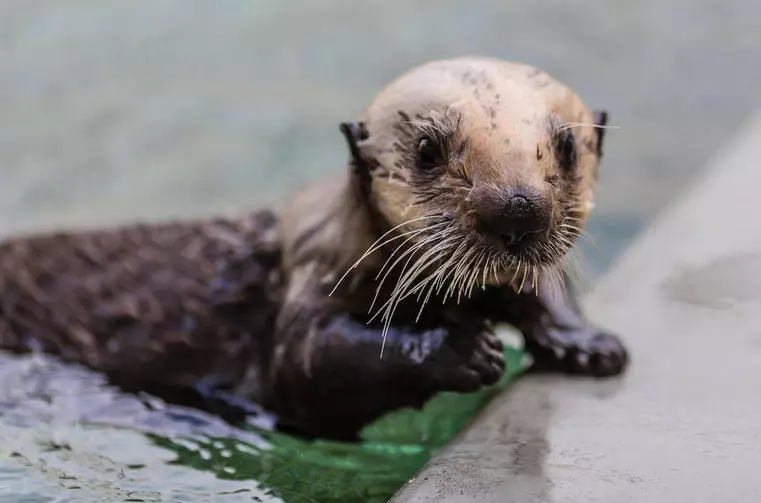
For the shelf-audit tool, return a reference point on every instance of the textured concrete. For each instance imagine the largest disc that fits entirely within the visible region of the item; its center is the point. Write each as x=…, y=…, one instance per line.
x=684, y=424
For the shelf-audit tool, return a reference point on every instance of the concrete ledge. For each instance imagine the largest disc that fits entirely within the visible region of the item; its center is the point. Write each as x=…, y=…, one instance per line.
x=685, y=423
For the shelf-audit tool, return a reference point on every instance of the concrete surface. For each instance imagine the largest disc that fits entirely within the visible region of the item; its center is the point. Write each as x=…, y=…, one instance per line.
x=684, y=424
x=112, y=110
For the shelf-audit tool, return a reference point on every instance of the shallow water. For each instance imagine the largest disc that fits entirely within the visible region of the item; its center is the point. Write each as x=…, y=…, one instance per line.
x=68, y=436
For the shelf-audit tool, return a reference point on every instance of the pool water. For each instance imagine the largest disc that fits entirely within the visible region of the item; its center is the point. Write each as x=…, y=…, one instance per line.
x=67, y=436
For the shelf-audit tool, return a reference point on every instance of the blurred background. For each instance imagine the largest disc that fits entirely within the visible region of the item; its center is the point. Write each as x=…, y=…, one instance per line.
x=112, y=111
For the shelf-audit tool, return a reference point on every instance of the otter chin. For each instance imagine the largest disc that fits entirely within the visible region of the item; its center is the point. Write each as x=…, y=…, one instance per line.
x=468, y=182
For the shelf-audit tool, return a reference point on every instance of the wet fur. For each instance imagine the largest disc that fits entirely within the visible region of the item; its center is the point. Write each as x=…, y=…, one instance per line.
x=152, y=305
x=278, y=308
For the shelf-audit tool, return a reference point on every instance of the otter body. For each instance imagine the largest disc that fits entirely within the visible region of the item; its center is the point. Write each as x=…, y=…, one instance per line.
x=375, y=289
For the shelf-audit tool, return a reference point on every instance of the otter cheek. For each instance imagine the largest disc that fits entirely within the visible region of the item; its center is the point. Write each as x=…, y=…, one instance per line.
x=396, y=204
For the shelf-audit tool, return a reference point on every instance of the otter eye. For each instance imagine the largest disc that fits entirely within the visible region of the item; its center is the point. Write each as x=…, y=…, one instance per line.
x=566, y=149
x=429, y=154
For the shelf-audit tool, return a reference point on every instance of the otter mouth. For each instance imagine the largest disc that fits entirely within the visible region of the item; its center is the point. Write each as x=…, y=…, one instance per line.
x=541, y=247
x=446, y=256
x=434, y=256
x=518, y=244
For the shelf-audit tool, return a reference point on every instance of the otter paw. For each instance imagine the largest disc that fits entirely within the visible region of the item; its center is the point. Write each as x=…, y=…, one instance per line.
x=599, y=355
x=581, y=352
x=472, y=362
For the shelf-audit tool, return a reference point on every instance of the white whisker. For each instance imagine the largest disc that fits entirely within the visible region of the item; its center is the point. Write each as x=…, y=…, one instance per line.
x=570, y=125
x=373, y=248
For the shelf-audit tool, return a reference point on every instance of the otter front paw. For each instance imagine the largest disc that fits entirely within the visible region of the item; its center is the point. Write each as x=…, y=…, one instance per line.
x=582, y=351
x=599, y=355
x=467, y=361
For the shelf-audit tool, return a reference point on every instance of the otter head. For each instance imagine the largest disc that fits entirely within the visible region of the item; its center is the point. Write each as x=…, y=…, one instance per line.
x=486, y=167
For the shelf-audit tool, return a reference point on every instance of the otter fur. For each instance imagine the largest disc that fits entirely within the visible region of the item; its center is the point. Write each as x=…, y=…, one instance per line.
x=375, y=288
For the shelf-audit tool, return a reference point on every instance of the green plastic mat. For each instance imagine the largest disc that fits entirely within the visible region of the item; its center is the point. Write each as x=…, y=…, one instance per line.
x=392, y=450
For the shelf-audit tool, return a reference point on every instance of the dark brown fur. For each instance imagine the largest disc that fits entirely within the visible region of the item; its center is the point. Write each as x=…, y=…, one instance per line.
x=166, y=304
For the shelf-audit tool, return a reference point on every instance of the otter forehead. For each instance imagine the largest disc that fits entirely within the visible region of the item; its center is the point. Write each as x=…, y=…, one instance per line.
x=505, y=112
x=478, y=87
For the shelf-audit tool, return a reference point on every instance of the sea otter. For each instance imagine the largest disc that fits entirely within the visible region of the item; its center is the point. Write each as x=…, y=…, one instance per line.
x=468, y=182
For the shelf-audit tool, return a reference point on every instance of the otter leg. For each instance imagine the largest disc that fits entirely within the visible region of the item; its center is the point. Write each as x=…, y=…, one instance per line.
x=329, y=379
x=559, y=337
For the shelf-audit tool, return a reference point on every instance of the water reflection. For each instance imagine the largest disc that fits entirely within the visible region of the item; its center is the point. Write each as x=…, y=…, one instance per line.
x=69, y=436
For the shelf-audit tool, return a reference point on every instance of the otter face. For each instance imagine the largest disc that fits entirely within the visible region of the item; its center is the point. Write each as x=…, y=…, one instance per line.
x=487, y=166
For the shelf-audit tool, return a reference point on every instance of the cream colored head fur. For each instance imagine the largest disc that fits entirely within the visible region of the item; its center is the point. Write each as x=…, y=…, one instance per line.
x=503, y=110
x=498, y=124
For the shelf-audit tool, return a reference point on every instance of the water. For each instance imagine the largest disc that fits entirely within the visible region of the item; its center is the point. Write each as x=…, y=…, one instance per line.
x=68, y=436
x=112, y=111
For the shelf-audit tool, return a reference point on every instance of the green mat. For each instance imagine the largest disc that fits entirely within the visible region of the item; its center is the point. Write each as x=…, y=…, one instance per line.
x=392, y=450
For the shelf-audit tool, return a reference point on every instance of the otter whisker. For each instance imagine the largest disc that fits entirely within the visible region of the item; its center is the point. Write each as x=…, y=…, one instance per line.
x=479, y=273
x=438, y=275
x=478, y=262
x=565, y=240
x=449, y=277
x=555, y=283
x=431, y=280
x=473, y=278
x=455, y=284
x=582, y=232
x=572, y=227
x=570, y=125
x=409, y=252
x=402, y=285
x=445, y=270
x=407, y=276
x=486, y=269
x=436, y=248
x=460, y=275
x=410, y=238
x=420, y=287
x=449, y=268
x=469, y=270
x=465, y=280
x=399, y=247
x=373, y=248
x=496, y=264
x=523, y=281
x=435, y=277
x=427, y=125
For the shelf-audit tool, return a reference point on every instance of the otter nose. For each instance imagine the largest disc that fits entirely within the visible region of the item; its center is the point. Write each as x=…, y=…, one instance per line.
x=518, y=219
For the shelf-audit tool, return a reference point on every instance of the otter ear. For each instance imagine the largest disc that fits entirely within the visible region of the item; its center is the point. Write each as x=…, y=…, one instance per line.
x=600, y=119
x=354, y=132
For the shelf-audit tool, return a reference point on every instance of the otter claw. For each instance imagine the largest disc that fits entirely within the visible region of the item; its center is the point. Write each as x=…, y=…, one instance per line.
x=602, y=355
x=480, y=363
x=595, y=354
